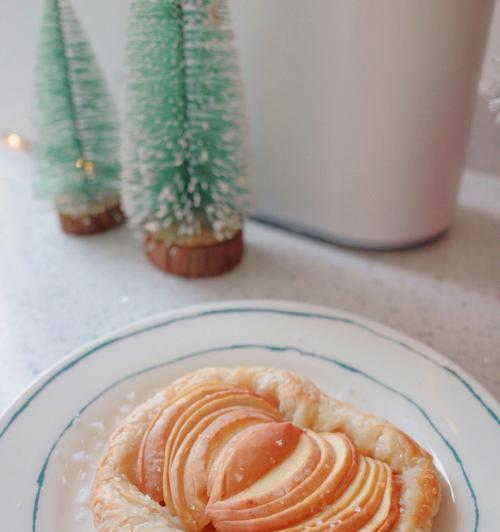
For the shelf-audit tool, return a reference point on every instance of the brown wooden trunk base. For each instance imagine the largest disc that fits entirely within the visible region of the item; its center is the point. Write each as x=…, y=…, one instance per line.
x=197, y=260
x=91, y=223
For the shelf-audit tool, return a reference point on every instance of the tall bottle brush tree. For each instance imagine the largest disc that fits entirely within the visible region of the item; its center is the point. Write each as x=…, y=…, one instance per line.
x=185, y=182
x=77, y=147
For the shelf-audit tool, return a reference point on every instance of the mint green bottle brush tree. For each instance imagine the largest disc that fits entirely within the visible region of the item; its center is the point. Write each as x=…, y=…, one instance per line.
x=77, y=145
x=185, y=179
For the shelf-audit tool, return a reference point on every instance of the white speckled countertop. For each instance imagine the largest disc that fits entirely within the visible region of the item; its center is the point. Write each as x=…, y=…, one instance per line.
x=58, y=292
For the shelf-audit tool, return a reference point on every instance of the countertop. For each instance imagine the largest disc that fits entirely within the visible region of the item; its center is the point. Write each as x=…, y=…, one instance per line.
x=58, y=292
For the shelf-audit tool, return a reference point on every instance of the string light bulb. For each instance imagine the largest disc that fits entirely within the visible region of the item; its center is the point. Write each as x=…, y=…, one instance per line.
x=15, y=142
x=86, y=165
x=88, y=168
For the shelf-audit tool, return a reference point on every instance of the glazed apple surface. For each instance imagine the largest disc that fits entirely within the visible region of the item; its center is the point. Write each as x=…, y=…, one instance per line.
x=220, y=457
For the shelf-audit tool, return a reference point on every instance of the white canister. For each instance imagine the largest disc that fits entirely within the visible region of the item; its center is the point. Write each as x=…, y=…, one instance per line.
x=360, y=112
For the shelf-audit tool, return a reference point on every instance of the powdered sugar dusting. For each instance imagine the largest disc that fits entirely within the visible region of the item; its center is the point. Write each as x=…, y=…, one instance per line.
x=73, y=463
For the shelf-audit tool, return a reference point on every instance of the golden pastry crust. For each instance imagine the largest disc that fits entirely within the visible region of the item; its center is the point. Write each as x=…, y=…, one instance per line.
x=118, y=505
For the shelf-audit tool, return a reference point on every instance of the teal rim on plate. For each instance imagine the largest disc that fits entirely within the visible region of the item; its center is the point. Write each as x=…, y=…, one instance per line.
x=75, y=360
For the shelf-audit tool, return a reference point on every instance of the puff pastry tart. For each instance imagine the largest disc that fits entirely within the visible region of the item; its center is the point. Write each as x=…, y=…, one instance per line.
x=257, y=450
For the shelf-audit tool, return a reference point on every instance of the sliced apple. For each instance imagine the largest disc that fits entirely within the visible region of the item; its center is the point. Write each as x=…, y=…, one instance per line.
x=175, y=474
x=388, y=511
x=283, y=479
x=151, y=456
x=212, y=403
x=364, y=474
x=194, y=413
x=242, y=466
x=369, y=504
x=220, y=458
x=345, y=519
x=189, y=469
x=362, y=513
x=281, y=513
x=267, y=495
x=200, y=414
x=211, y=441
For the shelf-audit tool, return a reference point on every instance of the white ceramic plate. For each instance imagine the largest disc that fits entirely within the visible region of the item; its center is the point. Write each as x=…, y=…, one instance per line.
x=51, y=437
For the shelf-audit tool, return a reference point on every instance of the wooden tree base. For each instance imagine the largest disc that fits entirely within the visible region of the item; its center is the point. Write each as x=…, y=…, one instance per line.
x=194, y=261
x=90, y=224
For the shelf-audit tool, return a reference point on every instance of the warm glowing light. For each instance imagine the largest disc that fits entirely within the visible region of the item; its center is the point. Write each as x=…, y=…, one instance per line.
x=15, y=141
x=88, y=168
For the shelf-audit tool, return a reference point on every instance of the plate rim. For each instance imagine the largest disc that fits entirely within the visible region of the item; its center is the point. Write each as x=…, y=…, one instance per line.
x=22, y=401
x=473, y=390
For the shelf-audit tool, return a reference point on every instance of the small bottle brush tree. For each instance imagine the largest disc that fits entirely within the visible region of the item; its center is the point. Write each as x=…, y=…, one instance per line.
x=77, y=147
x=185, y=180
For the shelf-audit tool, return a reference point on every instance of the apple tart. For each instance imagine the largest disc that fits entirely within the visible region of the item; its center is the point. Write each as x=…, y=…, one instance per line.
x=257, y=450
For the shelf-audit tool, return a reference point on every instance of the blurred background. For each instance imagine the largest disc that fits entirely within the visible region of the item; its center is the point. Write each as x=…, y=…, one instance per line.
x=58, y=292
x=105, y=24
